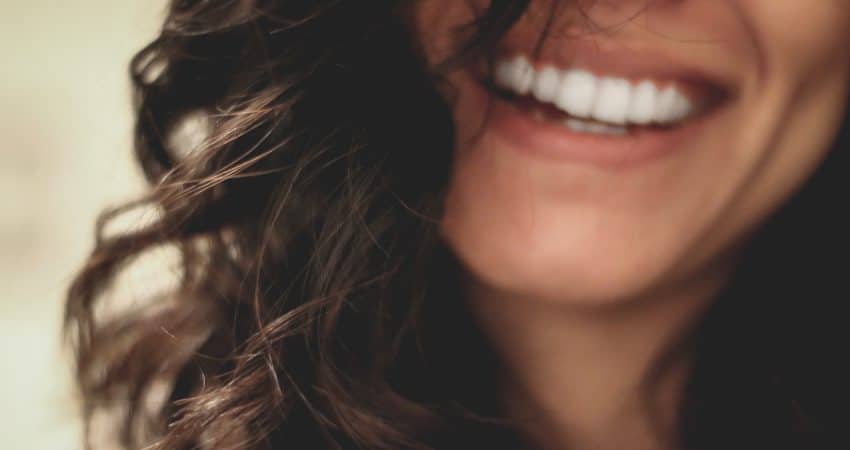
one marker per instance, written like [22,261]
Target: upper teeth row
[584,95]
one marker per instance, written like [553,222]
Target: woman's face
[641,143]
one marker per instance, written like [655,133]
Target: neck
[577,379]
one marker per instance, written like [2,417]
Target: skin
[571,265]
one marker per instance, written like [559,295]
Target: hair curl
[316,307]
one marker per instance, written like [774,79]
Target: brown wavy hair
[316,306]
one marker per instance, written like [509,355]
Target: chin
[579,271]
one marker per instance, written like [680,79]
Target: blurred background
[66,154]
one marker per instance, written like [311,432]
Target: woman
[494,224]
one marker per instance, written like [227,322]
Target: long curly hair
[315,306]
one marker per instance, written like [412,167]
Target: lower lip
[550,140]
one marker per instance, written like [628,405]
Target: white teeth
[612,101]
[576,125]
[516,74]
[546,84]
[582,126]
[642,107]
[583,95]
[602,128]
[577,93]
[665,104]
[682,107]
[671,106]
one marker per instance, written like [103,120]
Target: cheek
[804,80]
[797,37]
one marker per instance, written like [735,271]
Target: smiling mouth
[613,109]
[612,105]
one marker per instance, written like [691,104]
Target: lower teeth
[583,126]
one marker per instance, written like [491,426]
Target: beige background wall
[64,154]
